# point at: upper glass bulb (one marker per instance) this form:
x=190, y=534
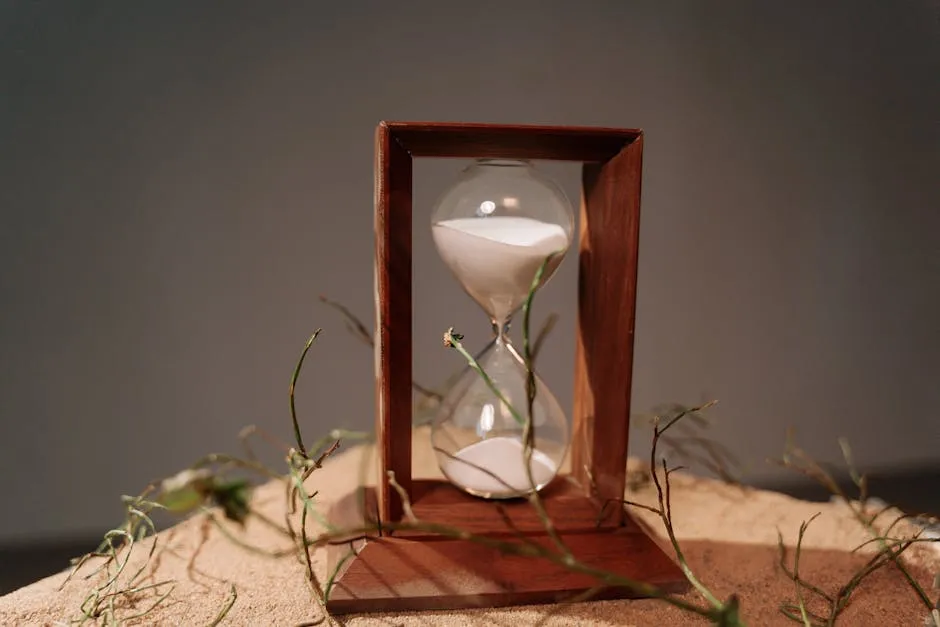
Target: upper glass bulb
x=495, y=227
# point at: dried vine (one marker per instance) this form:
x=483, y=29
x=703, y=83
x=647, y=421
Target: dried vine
x=206, y=489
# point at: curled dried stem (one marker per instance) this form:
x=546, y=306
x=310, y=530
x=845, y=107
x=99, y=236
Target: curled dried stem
x=890, y=550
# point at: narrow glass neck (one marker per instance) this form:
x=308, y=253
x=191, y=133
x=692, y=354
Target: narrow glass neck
x=501, y=331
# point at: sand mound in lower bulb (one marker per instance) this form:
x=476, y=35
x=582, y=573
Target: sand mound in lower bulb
x=495, y=468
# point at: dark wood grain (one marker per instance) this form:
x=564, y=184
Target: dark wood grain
x=564, y=500
x=400, y=574
x=393, y=364
x=441, y=503
x=561, y=143
x=608, y=255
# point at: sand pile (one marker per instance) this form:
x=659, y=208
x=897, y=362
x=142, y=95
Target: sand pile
x=729, y=535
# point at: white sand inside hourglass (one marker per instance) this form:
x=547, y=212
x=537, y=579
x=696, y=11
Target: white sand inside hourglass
x=496, y=258
x=495, y=468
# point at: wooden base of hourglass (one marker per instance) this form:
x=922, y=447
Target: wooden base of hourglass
x=427, y=571
x=415, y=571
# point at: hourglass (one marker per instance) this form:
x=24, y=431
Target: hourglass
x=494, y=228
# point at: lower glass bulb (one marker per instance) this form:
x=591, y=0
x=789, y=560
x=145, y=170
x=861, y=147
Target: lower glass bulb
x=479, y=441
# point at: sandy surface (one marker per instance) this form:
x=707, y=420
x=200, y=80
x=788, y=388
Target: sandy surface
x=729, y=535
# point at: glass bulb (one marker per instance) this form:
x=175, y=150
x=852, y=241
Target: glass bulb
x=479, y=441
x=494, y=228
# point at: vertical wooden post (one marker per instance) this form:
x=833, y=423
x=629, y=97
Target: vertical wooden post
x=608, y=254
x=393, y=366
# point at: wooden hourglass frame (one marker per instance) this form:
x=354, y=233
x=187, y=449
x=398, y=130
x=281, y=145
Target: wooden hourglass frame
x=416, y=571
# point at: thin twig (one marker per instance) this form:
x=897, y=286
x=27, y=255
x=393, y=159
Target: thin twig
x=542, y=335
x=293, y=383
x=782, y=561
x=355, y=326
x=528, y=435
x=241, y=543
x=890, y=550
x=229, y=603
x=796, y=570
x=665, y=506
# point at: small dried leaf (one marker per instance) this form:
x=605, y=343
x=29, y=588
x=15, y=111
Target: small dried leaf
x=185, y=491
x=233, y=497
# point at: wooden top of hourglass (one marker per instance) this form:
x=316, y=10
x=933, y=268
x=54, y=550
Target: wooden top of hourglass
x=607, y=265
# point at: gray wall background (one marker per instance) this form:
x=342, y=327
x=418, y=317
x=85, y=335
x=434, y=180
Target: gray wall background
x=181, y=180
